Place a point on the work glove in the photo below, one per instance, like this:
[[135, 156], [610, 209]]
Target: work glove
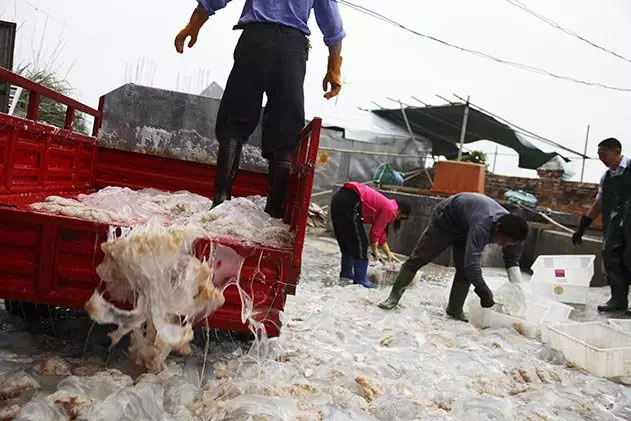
[[391, 257], [577, 238], [198, 18], [486, 296], [374, 251], [377, 256], [514, 275], [333, 77], [188, 31]]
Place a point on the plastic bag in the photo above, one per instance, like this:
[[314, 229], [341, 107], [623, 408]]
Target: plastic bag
[[520, 196], [511, 300], [386, 175]]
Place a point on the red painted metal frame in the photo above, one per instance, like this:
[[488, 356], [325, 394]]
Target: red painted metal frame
[[36, 91], [298, 197], [51, 259], [36, 158], [136, 170]]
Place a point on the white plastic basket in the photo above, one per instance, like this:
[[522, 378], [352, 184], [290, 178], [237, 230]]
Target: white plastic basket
[[557, 312], [594, 347], [623, 325], [382, 276], [564, 278], [528, 325]]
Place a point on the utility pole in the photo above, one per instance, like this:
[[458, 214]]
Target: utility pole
[[495, 159], [464, 128], [585, 153]]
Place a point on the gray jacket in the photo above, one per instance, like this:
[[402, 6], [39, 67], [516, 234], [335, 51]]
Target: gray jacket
[[475, 216]]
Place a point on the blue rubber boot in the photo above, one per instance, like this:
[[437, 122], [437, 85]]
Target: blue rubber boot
[[347, 266], [361, 271]]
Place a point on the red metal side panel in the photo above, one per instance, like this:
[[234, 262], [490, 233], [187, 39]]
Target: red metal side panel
[[77, 253], [137, 171], [296, 206], [20, 256], [49, 259], [262, 276], [36, 158]]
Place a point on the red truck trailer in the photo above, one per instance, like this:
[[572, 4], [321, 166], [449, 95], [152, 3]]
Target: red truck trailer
[[48, 259]]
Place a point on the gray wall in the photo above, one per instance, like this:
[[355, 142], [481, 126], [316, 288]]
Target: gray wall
[[167, 123]]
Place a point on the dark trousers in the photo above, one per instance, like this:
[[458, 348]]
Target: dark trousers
[[616, 260], [348, 224], [435, 239], [270, 59]]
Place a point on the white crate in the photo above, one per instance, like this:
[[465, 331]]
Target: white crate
[[623, 325], [564, 293], [572, 269], [594, 347], [382, 276], [528, 325], [557, 312], [564, 278]]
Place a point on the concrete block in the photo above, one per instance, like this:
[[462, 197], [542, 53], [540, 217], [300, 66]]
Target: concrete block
[[170, 124]]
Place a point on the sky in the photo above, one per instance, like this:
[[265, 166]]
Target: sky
[[102, 45]]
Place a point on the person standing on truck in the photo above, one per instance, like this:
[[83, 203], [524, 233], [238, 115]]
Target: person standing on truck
[[612, 202], [271, 58], [352, 206], [468, 222]]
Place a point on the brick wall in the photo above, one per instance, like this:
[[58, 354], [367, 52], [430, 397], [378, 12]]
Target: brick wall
[[550, 191]]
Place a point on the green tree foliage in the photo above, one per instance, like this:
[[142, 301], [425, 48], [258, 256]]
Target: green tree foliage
[[476, 157], [50, 112]]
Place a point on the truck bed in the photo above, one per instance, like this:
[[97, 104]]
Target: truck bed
[[51, 259]]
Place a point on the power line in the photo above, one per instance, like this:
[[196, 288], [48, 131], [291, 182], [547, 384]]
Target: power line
[[38, 9], [479, 53], [552, 23]]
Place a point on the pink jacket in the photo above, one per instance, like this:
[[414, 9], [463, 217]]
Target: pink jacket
[[377, 209]]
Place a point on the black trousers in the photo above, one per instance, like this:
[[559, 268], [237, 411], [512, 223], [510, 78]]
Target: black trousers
[[270, 59], [616, 260], [348, 224], [435, 239]]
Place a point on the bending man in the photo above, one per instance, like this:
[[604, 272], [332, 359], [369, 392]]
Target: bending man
[[468, 222], [612, 201], [271, 58]]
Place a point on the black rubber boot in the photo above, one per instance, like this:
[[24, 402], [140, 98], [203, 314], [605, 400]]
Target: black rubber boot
[[228, 158], [404, 279], [612, 305], [277, 179], [457, 297]]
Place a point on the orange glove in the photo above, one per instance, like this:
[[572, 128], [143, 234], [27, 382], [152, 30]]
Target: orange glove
[[198, 18], [333, 77]]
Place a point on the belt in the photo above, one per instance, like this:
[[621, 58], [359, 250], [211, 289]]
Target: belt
[[268, 25]]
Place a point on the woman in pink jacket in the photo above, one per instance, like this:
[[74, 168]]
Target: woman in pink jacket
[[354, 205]]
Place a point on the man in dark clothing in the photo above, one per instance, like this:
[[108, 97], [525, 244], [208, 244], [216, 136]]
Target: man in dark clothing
[[612, 202], [468, 222], [271, 58]]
